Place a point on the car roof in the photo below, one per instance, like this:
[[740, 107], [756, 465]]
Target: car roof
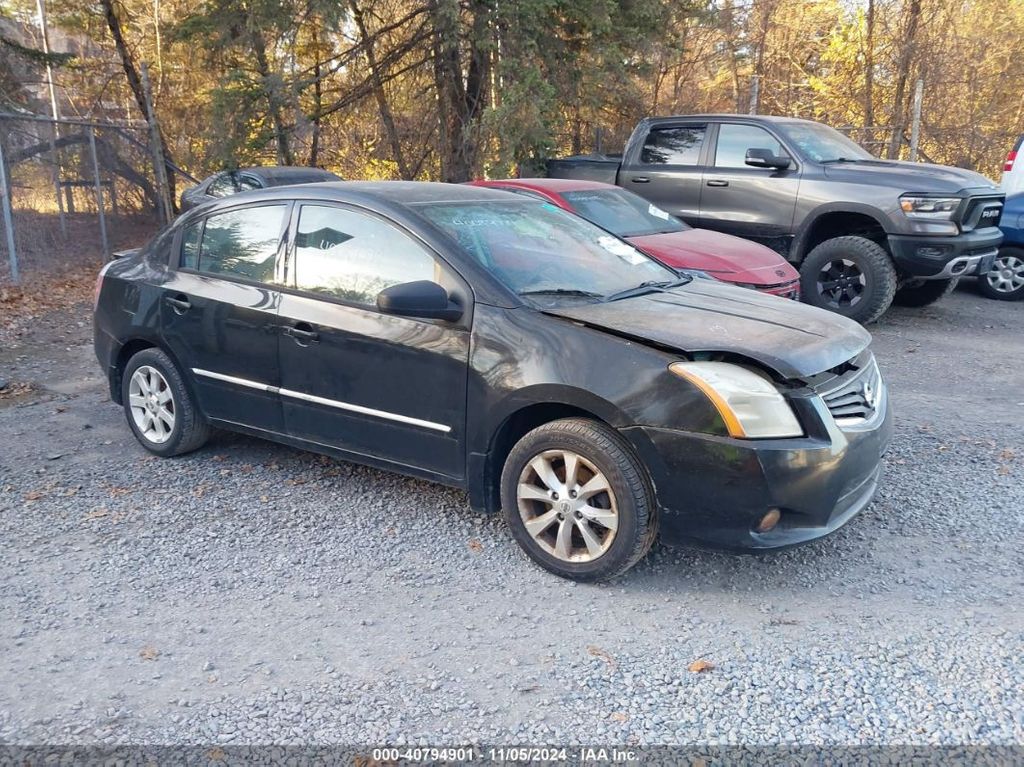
[[410, 193], [727, 116], [283, 171], [555, 185]]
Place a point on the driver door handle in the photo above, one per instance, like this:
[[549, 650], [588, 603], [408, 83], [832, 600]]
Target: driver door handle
[[640, 180], [179, 303], [302, 333], [718, 182]]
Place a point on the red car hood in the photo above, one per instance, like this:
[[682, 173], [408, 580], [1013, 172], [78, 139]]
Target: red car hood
[[729, 258]]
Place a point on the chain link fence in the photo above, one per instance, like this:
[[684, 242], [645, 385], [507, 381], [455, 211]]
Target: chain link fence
[[72, 191]]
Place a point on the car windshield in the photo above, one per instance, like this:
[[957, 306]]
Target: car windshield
[[822, 143], [622, 213], [538, 249]]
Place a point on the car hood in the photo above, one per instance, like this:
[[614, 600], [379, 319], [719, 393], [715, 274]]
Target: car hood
[[792, 339], [909, 176], [718, 254]]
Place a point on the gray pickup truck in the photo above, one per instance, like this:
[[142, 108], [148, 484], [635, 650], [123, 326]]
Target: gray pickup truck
[[863, 232]]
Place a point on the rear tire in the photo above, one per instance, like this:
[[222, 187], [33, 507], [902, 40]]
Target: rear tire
[[1006, 280], [578, 501], [851, 276], [159, 407], [924, 292]]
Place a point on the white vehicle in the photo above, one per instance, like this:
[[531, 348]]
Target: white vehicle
[[1013, 171]]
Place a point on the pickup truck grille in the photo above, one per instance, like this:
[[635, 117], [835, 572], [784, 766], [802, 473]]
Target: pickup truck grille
[[854, 397], [981, 212]]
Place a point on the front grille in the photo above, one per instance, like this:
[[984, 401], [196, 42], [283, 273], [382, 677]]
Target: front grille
[[854, 397], [981, 212]]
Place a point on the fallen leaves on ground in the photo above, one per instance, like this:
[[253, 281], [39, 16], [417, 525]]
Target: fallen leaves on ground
[[34, 495], [15, 389], [597, 652], [149, 653], [700, 665], [475, 546], [619, 716]]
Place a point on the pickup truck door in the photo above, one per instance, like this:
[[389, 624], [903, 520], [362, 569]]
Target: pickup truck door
[[756, 203], [665, 167]]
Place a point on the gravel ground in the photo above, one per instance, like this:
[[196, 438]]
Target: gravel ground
[[250, 593]]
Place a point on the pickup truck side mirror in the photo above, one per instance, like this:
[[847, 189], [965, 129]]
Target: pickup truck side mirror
[[421, 298], [765, 158]]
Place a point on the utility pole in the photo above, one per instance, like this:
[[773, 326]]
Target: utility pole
[[55, 133], [755, 93]]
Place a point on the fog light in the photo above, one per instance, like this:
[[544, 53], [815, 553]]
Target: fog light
[[932, 252], [958, 267], [769, 520]]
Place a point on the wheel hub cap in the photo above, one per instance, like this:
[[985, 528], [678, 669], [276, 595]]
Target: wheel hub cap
[[151, 404], [567, 506], [841, 283]]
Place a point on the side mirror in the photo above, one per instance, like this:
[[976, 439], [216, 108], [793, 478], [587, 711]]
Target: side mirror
[[422, 298], [765, 158]]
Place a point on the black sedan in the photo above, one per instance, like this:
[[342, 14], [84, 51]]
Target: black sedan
[[230, 182], [501, 345]]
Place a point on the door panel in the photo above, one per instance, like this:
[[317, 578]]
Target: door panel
[[373, 384], [668, 169], [228, 334], [757, 203], [219, 313], [364, 381]]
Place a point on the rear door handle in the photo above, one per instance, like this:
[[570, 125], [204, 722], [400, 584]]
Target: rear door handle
[[179, 303], [718, 182], [640, 180], [302, 334]]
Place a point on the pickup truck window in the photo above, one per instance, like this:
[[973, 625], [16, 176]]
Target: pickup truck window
[[734, 140], [822, 143], [622, 213], [673, 146]]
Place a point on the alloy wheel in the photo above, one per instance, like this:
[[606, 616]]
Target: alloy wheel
[[152, 404], [567, 506], [841, 283], [1007, 274]]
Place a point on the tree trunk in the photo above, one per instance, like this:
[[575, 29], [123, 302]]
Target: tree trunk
[[906, 58], [314, 145], [275, 103], [131, 73], [869, 74], [386, 116]]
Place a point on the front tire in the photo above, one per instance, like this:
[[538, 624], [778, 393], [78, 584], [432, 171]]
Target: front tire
[[1006, 280], [578, 501], [924, 292], [851, 276], [159, 407]]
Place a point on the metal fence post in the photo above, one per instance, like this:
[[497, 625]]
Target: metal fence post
[[99, 193], [5, 192], [915, 125]]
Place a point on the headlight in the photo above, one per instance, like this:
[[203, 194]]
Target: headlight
[[941, 208], [748, 402]]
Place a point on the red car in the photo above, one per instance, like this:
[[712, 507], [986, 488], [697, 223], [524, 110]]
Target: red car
[[664, 237]]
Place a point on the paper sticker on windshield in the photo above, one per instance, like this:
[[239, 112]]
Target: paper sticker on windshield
[[626, 252], [654, 210]]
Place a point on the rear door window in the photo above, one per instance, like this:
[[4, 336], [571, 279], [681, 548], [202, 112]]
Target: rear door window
[[679, 145], [222, 186], [241, 243], [190, 245]]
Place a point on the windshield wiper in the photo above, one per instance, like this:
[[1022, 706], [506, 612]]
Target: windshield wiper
[[649, 287], [839, 159], [561, 292]]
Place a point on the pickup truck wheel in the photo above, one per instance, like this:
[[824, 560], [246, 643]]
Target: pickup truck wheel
[[578, 501], [852, 276], [1006, 280], [923, 292]]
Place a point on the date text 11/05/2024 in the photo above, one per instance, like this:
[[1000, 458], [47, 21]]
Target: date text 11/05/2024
[[504, 754]]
